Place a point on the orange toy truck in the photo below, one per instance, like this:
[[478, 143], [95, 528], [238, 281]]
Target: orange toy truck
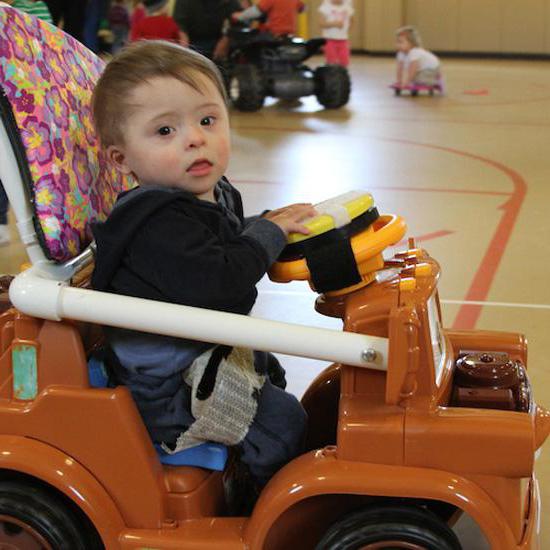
[[411, 426]]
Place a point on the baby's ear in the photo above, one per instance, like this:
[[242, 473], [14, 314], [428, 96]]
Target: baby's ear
[[117, 158]]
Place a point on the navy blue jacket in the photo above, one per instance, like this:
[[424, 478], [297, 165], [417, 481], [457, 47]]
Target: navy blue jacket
[[166, 244]]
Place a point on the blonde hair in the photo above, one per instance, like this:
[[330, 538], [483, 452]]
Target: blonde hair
[[135, 65], [411, 34]]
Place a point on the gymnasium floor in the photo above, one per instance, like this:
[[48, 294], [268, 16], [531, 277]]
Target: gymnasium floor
[[469, 172]]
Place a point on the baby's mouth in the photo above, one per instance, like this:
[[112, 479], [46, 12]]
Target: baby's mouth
[[200, 167]]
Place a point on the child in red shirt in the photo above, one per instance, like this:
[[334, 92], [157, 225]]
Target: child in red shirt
[[139, 13], [157, 25], [282, 15]]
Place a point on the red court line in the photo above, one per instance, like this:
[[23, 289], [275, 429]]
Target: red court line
[[463, 122], [397, 188], [435, 190], [428, 236], [468, 314]]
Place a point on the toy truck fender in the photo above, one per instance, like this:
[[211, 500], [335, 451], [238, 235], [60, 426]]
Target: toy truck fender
[[321, 473], [49, 465]]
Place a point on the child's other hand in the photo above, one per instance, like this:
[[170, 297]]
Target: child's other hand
[[289, 217]]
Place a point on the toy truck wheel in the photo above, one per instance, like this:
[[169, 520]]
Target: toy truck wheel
[[414, 93], [32, 518], [397, 91], [246, 88], [332, 84], [388, 528]]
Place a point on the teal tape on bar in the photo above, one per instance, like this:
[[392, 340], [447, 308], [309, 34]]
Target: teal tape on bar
[[25, 379]]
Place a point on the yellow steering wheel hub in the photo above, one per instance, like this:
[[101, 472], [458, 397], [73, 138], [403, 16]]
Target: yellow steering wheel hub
[[344, 249], [334, 213]]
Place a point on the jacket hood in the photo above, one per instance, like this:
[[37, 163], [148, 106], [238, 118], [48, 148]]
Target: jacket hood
[[128, 216]]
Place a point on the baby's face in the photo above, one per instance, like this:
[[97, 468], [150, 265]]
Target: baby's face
[[402, 43], [175, 136]]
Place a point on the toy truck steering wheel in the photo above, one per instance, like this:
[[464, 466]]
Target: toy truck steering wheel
[[344, 249]]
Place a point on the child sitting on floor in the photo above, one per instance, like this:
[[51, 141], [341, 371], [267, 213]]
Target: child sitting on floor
[[180, 236], [415, 65]]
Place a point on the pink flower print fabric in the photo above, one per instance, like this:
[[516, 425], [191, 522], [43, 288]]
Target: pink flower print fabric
[[46, 80]]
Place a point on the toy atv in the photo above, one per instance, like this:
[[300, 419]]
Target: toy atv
[[259, 66], [410, 426]]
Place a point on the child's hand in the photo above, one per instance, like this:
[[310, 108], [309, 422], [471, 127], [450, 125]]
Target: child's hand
[[289, 217]]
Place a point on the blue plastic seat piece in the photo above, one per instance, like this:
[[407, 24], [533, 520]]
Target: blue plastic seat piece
[[97, 373], [212, 456]]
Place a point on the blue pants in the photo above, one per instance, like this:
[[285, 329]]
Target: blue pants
[[4, 205], [277, 434]]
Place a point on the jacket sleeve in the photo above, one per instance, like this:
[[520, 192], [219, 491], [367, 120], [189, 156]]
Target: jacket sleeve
[[189, 264]]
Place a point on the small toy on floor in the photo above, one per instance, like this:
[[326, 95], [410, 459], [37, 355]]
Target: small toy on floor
[[415, 89]]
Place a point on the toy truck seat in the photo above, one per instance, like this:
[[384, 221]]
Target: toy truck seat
[[56, 177], [343, 250]]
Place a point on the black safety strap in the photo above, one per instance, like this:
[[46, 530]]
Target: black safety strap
[[332, 266]]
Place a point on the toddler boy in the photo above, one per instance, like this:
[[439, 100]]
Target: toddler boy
[[180, 237]]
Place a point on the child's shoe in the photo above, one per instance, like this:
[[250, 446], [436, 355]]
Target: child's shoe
[[4, 235]]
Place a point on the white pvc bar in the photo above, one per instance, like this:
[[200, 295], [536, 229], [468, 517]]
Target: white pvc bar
[[50, 299]]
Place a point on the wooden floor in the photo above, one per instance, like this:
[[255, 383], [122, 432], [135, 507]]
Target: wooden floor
[[470, 172]]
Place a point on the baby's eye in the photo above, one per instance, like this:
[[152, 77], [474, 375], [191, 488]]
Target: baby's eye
[[207, 121], [164, 130]]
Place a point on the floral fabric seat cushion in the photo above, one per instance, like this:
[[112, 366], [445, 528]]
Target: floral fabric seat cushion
[[46, 80]]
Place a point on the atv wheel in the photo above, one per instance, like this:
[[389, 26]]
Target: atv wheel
[[33, 518], [333, 86], [388, 528], [246, 88]]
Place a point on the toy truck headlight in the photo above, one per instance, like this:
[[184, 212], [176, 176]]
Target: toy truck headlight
[[542, 426]]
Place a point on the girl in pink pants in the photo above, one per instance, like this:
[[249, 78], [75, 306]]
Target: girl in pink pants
[[336, 18]]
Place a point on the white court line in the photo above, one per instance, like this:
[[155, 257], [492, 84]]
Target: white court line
[[452, 302], [496, 304]]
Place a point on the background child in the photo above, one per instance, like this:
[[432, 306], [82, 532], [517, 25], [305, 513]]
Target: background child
[[336, 18], [34, 7], [157, 24], [139, 12], [203, 23], [280, 15], [119, 23], [160, 112], [415, 65]]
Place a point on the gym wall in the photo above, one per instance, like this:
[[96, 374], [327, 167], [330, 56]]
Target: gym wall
[[485, 26]]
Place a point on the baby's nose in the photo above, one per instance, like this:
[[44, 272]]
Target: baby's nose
[[195, 136]]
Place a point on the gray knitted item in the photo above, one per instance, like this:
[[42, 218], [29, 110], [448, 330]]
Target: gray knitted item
[[227, 414]]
